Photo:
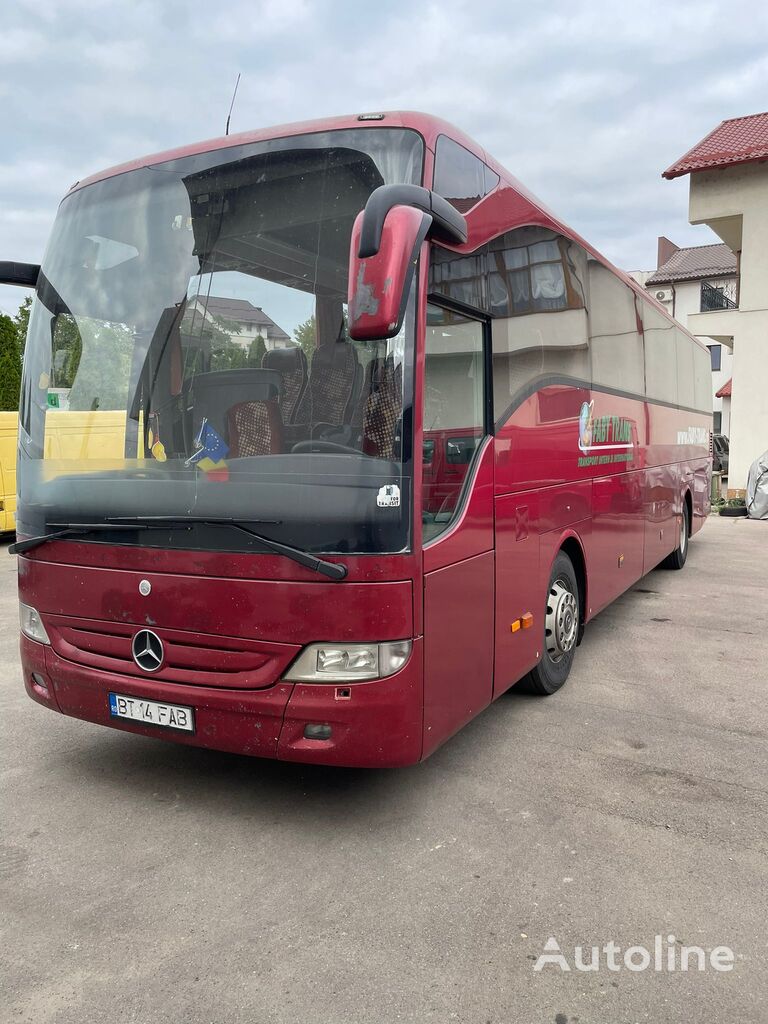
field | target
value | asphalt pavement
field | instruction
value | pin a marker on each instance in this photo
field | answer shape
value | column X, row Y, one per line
column 147, row 882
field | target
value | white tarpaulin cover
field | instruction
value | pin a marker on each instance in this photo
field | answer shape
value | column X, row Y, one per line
column 757, row 488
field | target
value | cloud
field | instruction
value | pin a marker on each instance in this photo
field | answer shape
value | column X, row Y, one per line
column 586, row 102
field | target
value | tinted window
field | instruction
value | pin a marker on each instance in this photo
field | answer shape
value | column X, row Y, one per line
column 677, row 369
column 702, row 379
column 617, row 345
column 460, row 177
column 460, row 276
column 454, row 412
column 660, row 355
column 539, row 330
column 684, row 346
column 533, row 270
column 715, row 353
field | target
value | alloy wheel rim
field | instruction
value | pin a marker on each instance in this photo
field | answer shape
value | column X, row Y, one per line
column 562, row 620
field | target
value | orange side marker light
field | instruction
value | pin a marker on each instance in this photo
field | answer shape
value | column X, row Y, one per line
column 527, row 620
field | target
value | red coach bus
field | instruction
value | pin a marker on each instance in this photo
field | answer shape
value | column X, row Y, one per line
column 393, row 435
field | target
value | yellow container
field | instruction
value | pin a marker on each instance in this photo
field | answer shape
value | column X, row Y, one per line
column 9, row 431
column 95, row 439
column 84, row 436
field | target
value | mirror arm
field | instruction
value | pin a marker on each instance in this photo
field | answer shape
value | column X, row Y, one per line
column 23, row 274
column 448, row 225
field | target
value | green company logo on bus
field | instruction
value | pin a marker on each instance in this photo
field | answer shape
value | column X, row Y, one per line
column 607, row 439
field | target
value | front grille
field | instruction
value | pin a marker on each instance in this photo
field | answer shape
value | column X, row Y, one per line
column 192, row 659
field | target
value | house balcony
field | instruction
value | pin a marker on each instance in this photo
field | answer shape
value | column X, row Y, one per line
column 717, row 295
column 718, row 311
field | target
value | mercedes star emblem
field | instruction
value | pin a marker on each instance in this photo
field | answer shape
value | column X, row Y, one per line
column 147, row 650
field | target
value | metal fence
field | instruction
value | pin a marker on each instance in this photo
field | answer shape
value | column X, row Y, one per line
column 719, row 295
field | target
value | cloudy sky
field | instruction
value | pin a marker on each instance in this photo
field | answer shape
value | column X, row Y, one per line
column 586, row 102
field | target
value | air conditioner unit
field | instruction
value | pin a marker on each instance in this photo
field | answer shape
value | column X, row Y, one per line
column 663, row 294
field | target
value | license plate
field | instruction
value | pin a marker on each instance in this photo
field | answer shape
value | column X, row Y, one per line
column 151, row 712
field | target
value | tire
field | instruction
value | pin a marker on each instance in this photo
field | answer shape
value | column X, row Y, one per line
column 677, row 559
column 562, row 620
column 733, row 511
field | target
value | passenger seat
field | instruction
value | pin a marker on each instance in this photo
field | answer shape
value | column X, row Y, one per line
column 291, row 364
column 335, row 381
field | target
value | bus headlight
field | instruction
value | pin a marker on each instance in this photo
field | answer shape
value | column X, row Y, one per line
column 31, row 624
column 320, row 663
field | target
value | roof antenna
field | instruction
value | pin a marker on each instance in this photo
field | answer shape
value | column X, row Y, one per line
column 231, row 105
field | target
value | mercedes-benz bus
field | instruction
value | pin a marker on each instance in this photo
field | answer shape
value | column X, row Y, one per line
column 392, row 435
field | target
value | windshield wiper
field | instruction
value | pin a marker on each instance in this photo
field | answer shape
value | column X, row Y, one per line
column 333, row 570
column 74, row 530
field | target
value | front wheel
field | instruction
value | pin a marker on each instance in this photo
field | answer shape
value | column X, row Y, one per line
column 561, row 630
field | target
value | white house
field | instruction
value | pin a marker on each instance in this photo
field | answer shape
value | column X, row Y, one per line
column 248, row 320
column 729, row 192
column 688, row 281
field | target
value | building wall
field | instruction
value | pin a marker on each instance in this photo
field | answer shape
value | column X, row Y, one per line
column 687, row 303
column 249, row 331
column 733, row 201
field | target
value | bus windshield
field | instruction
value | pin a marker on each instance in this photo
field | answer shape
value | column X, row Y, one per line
column 188, row 354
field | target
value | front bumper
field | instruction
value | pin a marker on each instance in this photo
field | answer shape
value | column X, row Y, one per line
column 373, row 724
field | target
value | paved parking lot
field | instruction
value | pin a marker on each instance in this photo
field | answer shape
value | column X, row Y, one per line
column 147, row 882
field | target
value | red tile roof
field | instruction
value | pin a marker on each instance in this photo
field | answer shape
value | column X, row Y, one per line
column 694, row 263
column 725, row 390
column 737, row 141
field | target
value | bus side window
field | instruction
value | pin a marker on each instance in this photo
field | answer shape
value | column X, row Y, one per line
column 617, row 343
column 660, row 355
column 460, row 177
column 702, row 380
column 454, row 411
column 536, row 283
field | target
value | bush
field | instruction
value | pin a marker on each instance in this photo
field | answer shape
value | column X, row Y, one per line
column 10, row 365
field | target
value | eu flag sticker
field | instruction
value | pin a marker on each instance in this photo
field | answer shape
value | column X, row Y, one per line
column 209, row 444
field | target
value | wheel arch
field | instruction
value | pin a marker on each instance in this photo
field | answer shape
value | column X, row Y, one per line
column 688, row 500
column 571, row 545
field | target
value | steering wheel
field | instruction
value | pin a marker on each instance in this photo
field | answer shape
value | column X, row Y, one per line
column 324, row 446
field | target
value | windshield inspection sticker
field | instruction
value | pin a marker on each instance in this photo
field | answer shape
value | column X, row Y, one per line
column 388, row 496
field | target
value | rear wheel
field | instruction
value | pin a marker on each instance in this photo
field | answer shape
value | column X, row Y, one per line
column 561, row 630
column 677, row 559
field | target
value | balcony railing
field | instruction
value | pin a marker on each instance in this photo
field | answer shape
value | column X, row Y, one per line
column 720, row 295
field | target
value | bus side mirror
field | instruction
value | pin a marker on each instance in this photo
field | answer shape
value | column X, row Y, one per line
column 380, row 283
column 386, row 240
column 23, row 274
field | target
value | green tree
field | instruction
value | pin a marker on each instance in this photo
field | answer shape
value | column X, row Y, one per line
column 22, row 321
column 221, row 325
column 10, row 365
column 66, row 353
column 305, row 335
column 92, row 358
column 99, row 367
column 257, row 351
column 226, row 354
